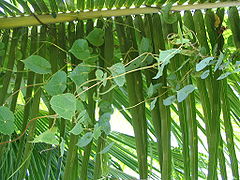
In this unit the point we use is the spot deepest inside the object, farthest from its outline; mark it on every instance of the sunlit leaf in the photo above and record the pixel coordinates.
(77, 129)
(219, 61)
(99, 74)
(169, 100)
(57, 83)
(164, 59)
(183, 93)
(85, 139)
(64, 105)
(203, 63)
(47, 137)
(205, 74)
(153, 103)
(224, 75)
(62, 147)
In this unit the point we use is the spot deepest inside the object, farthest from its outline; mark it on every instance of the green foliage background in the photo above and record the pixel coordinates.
(173, 76)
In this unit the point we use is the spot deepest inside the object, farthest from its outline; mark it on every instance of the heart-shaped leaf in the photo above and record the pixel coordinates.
(77, 129)
(37, 64)
(57, 84)
(96, 37)
(80, 74)
(64, 105)
(80, 49)
(99, 74)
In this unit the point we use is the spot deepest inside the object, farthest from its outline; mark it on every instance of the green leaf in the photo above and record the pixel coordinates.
(219, 61)
(184, 92)
(104, 122)
(64, 105)
(48, 137)
(80, 74)
(107, 148)
(145, 45)
(97, 131)
(105, 107)
(205, 74)
(143, 59)
(37, 64)
(153, 103)
(150, 90)
(99, 74)
(96, 37)
(80, 106)
(80, 49)
(165, 56)
(77, 129)
(92, 59)
(203, 63)
(168, 17)
(81, 93)
(57, 84)
(116, 70)
(169, 100)
(7, 126)
(85, 139)
(62, 147)
(224, 75)
(104, 79)
(164, 59)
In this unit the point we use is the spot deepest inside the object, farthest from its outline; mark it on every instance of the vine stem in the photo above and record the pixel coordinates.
(29, 123)
(31, 20)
